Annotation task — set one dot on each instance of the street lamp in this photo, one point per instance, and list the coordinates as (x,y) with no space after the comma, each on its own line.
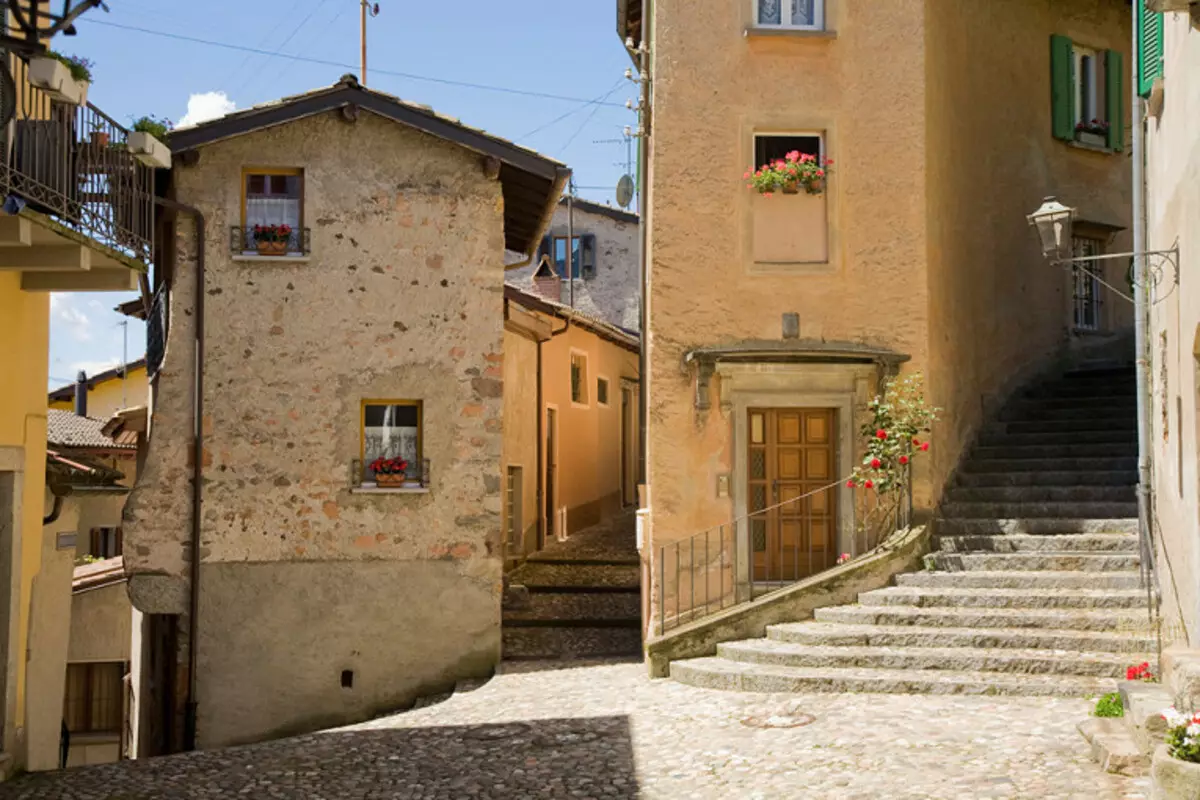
(1053,222)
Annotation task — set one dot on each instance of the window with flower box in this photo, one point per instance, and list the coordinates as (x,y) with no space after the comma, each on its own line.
(790,227)
(805,15)
(391,442)
(272,212)
(1087,94)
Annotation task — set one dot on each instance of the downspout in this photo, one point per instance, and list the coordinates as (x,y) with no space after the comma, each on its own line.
(1141,344)
(541,439)
(644,236)
(189,718)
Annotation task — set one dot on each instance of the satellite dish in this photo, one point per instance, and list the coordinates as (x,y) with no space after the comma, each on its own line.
(625,191)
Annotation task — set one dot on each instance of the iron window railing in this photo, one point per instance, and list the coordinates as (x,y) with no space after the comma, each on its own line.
(73,163)
(243,243)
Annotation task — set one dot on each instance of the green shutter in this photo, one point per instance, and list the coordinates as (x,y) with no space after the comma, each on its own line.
(1150,49)
(1114,96)
(1062,89)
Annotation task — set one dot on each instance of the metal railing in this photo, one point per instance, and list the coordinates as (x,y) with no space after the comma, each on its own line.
(73,163)
(242,242)
(360,475)
(752,556)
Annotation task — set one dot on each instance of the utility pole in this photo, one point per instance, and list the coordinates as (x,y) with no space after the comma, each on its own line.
(373,10)
(571,235)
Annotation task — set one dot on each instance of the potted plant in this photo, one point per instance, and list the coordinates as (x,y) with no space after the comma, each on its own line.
(790,174)
(99,136)
(390,472)
(146,141)
(65,78)
(1175,769)
(1094,133)
(272,240)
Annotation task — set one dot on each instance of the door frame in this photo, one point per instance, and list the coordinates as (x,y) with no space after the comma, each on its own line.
(550,483)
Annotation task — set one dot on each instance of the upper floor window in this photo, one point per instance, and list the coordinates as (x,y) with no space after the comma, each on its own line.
(391,437)
(105,542)
(799,14)
(1087,94)
(273,198)
(579,379)
(583,254)
(769,147)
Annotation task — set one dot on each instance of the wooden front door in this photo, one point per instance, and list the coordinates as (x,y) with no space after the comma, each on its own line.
(790,454)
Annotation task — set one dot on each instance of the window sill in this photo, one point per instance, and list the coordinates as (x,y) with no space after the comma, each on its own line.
(1092,148)
(370,488)
(788,33)
(288,258)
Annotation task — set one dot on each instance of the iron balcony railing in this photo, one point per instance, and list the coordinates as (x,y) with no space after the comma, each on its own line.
(73,163)
(751,556)
(243,243)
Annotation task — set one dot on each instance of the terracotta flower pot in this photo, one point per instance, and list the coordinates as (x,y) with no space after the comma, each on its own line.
(100,138)
(815,187)
(791,188)
(266,248)
(390,480)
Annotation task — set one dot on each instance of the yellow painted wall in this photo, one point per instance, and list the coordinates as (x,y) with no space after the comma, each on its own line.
(24,324)
(520,438)
(110,396)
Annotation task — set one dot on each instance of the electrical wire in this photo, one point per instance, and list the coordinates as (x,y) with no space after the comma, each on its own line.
(585,122)
(597,101)
(249,79)
(341,65)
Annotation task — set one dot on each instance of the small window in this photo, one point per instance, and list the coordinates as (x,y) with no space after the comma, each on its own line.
(796,14)
(1087,94)
(272,199)
(579,379)
(93,699)
(602,391)
(391,430)
(1090,106)
(105,542)
(775,147)
(583,255)
(1085,286)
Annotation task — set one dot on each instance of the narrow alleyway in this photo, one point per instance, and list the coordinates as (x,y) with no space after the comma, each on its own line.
(549,731)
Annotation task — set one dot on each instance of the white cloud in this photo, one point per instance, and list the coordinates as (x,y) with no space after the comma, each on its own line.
(66,315)
(204,106)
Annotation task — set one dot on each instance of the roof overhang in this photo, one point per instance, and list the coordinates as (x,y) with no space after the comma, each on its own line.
(629,25)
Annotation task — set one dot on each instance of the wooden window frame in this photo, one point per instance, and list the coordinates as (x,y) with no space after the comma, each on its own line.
(297,172)
(607,401)
(362,432)
(785,9)
(822,145)
(119,697)
(585,402)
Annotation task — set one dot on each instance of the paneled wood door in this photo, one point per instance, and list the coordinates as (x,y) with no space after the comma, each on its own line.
(791,452)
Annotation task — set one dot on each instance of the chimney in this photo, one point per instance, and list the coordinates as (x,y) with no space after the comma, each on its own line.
(546,281)
(81,389)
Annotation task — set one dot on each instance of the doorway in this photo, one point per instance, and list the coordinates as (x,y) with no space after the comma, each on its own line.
(627,451)
(791,453)
(551,484)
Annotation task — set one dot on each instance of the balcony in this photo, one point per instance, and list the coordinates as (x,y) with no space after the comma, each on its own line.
(78,211)
(243,246)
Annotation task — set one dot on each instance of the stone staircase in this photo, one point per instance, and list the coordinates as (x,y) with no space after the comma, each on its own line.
(1033,588)
(578,599)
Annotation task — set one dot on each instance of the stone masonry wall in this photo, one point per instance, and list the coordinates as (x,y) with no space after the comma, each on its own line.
(402,299)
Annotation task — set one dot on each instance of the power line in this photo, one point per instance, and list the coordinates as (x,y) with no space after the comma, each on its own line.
(250,78)
(585,122)
(597,100)
(351,67)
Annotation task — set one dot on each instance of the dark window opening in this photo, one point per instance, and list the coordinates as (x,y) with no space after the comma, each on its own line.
(775,148)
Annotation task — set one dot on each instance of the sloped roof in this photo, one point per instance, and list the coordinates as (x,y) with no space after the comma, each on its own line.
(65,429)
(531,182)
(605,330)
(68,392)
(97,574)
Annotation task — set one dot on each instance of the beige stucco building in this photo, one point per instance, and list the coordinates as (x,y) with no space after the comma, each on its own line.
(1173,220)
(322,595)
(570,421)
(774,318)
(604,261)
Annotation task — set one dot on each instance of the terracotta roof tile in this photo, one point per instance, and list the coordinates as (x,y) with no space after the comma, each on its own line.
(65,429)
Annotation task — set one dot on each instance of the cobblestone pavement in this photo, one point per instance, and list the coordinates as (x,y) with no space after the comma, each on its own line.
(600,731)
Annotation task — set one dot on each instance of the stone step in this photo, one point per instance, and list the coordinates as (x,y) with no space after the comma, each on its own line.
(997,437)
(1028,411)
(1086,510)
(1030,581)
(1042,494)
(1045,526)
(720,673)
(1003,598)
(1113,747)
(1093,464)
(1007,562)
(579,608)
(1073,402)
(1143,703)
(1028,543)
(1103,620)
(1128,643)
(1081,390)
(1065,426)
(1072,478)
(585,577)
(968,659)
(1100,450)
(565,643)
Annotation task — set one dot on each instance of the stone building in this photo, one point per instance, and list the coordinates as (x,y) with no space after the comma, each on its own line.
(370,327)
(604,263)
(773,318)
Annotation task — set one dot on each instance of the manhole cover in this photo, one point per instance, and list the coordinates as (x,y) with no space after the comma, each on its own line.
(779,721)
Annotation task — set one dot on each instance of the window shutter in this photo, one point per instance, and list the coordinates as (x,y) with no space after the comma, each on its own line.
(1062,89)
(588,254)
(1150,49)
(1114,79)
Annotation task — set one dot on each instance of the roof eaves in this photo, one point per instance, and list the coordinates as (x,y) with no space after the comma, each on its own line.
(606,330)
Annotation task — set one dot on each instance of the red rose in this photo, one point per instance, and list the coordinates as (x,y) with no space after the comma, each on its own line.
(916,442)
(875,463)
(869,484)
(850,484)
(903,459)
(1130,674)
(881,434)
(925,447)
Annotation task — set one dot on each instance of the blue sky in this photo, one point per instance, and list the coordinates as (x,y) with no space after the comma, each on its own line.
(558,47)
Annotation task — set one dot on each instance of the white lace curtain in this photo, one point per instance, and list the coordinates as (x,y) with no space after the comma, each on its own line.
(791,12)
(267,210)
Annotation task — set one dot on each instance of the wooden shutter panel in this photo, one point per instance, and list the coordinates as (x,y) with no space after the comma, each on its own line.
(588,254)
(1062,89)
(1150,49)
(1114,95)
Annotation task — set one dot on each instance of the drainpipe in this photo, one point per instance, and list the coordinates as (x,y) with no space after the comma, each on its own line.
(1141,343)
(541,439)
(644,235)
(189,718)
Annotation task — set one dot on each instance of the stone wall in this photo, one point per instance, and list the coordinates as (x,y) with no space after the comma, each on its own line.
(401,299)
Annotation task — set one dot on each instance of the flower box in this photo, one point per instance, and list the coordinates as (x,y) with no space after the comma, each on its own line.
(390,481)
(149,150)
(54,77)
(1092,139)
(268,248)
(1173,779)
